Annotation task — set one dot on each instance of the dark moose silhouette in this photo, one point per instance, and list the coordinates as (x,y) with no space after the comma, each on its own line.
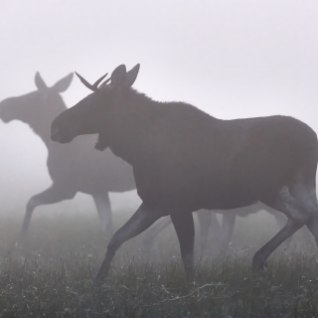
(185,160)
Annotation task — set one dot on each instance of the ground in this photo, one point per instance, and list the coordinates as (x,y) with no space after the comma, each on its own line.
(53,275)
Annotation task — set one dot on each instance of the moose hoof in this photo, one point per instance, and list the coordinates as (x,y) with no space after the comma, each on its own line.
(259,263)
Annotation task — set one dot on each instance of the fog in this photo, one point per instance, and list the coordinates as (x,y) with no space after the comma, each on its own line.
(231,58)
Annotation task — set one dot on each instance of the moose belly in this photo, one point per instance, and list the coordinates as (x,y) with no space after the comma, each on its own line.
(170,191)
(211,189)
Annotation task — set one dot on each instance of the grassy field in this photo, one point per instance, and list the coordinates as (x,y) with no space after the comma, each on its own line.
(52,277)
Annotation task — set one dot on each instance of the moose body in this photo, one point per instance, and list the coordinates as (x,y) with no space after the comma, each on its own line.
(222,165)
(185,160)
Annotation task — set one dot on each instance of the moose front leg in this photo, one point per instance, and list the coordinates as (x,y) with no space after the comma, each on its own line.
(102,203)
(151,235)
(143,218)
(184,226)
(51,195)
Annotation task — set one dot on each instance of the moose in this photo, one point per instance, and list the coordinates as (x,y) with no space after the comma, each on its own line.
(73,168)
(185,160)
(76,168)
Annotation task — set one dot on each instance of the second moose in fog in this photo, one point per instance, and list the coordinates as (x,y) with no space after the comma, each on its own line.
(73,168)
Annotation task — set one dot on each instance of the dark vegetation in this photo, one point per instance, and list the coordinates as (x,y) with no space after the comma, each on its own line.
(54,278)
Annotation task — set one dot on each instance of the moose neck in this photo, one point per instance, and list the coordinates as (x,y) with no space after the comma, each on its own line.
(128,123)
(41,126)
(43,132)
(140,130)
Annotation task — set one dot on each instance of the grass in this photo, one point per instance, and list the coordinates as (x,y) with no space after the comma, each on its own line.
(53,277)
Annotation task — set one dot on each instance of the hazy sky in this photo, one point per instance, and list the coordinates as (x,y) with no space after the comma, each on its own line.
(232,58)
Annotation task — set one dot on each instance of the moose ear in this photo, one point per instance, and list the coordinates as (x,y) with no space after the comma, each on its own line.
(40,84)
(63,84)
(118,76)
(132,75)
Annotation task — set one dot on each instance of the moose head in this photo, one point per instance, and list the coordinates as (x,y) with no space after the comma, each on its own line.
(97,110)
(31,108)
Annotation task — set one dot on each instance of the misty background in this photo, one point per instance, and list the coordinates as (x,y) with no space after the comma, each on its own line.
(231,58)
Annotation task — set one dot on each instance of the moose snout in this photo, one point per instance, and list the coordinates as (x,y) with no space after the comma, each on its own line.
(5,114)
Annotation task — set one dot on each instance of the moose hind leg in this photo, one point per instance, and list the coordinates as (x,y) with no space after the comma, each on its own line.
(287,204)
(143,218)
(184,226)
(306,196)
(261,255)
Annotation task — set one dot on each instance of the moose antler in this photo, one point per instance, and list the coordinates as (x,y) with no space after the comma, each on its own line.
(93,87)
